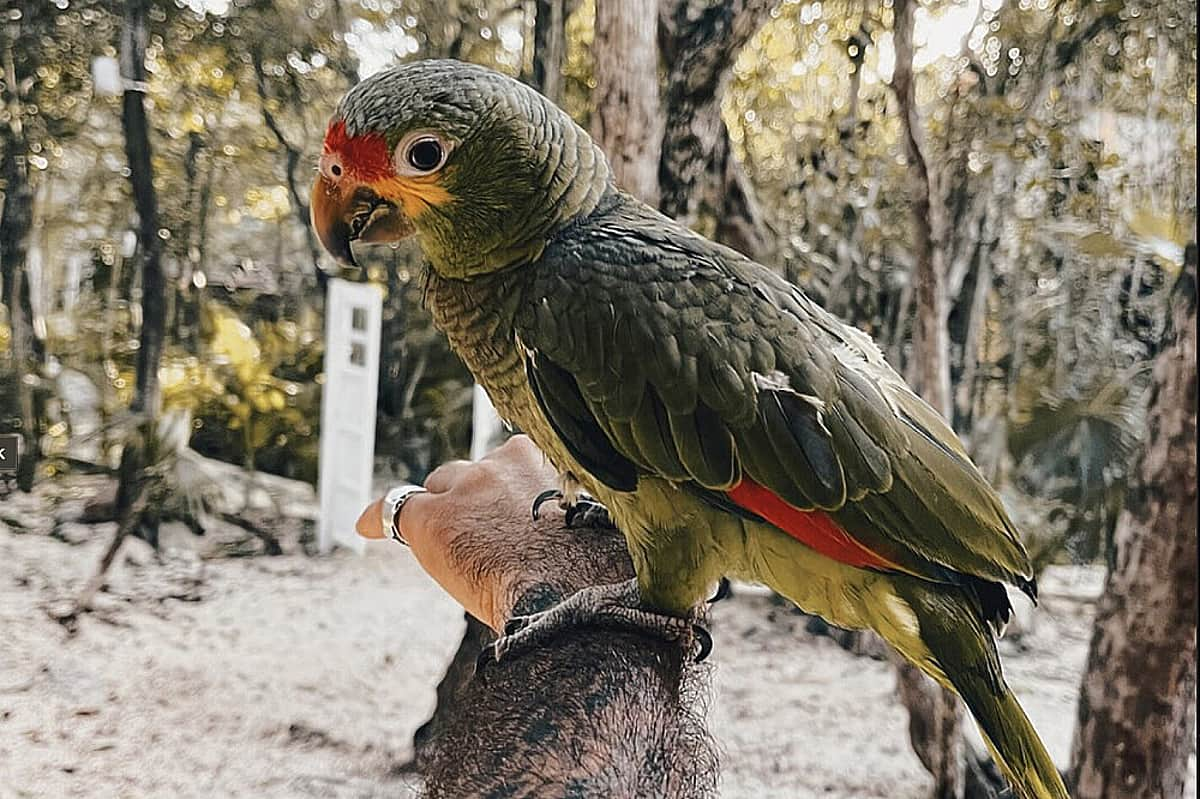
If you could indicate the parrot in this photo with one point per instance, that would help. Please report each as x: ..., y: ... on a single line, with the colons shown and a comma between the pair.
x: 728, y: 423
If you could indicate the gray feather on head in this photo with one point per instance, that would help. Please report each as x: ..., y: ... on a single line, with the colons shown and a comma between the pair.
x: 458, y: 95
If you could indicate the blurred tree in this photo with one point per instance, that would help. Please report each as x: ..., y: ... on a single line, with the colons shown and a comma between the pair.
x: 1136, y: 717
x: 16, y: 228
x: 934, y: 714
x: 133, y: 512
x: 294, y: 158
x: 146, y: 398
x: 929, y: 339
x: 550, y: 46
x: 625, y: 121
x: 701, y: 182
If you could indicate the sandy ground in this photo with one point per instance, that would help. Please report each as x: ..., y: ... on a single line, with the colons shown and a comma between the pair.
x: 306, y: 677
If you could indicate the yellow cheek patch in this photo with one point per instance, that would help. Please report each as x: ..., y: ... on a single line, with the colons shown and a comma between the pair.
x: 415, y: 194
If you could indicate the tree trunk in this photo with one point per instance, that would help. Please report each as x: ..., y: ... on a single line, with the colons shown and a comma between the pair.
x: 16, y: 221
x: 549, y: 47
x: 934, y: 716
x: 183, y: 310
x: 626, y: 123
x: 699, y: 178
x: 138, y: 485
x: 146, y: 398
x: 1136, y: 718
x: 739, y: 221
x: 929, y: 339
x: 145, y: 201
x: 28, y: 368
x: 16, y: 226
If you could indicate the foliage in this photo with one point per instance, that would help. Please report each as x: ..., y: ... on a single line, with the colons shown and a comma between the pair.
x: 254, y: 395
x: 1060, y: 131
x: 1065, y: 155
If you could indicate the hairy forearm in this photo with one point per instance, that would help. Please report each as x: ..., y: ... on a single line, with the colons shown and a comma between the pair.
x: 589, y: 712
x: 594, y: 713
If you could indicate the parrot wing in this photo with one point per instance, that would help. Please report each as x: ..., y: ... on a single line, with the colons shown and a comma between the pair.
x: 654, y: 351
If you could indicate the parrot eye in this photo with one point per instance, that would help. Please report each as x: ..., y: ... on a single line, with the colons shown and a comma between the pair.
x: 425, y: 154
x: 421, y: 154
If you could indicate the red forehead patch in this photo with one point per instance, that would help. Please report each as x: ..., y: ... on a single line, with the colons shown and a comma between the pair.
x: 366, y: 156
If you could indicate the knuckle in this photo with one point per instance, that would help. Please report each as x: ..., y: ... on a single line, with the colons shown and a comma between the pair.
x: 444, y: 474
x: 480, y: 474
x: 520, y: 449
x: 523, y: 444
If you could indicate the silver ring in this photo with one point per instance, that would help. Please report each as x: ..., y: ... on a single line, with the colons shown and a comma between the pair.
x: 393, y: 503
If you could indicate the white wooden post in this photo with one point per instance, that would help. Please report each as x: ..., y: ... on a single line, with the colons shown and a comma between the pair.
x: 487, y: 431
x: 352, y: 330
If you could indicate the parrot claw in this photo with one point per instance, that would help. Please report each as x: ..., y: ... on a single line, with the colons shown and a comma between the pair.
x: 544, y: 497
x: 585, y: 511
x: 724, y: 591
x: 616, y: 606
x: 515, y: 625
x: 704, y: 642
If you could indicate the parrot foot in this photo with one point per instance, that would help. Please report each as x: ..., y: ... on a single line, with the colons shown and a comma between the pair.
x: 616, y: 606
x: 588, y: 512
x: 585, y: 511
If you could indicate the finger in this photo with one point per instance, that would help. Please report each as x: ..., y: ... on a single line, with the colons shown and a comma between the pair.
x: 415, y: 521
x: 423, y: 525
x: 444, y: 477
x: 370, y: 523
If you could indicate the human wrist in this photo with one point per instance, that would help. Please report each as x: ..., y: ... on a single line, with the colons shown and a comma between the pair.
x: 534, y: 594
x: 534, y: 598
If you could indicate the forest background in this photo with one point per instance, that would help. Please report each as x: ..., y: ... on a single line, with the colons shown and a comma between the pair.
x: 1001, y: 192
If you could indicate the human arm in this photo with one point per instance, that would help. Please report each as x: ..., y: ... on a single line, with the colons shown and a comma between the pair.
x: 594, y: 712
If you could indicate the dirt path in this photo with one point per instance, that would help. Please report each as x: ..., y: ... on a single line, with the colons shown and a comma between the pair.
x: 305, y: 677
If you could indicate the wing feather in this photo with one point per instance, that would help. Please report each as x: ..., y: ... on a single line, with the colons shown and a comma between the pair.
x: 705, y: 368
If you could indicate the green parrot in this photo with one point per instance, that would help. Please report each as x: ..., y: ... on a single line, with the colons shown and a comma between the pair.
x: 730, y: 425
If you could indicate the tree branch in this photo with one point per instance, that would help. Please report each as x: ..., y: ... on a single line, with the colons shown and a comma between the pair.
x: 294, y: 157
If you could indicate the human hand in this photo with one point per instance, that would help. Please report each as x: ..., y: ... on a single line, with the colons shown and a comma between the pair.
x: 474, y: 533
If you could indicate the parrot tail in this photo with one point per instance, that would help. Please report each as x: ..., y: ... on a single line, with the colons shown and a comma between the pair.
x: 961, y: 655
x: 1015, y: 746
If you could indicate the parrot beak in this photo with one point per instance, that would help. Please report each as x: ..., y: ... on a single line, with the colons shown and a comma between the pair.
x: 342, y: 215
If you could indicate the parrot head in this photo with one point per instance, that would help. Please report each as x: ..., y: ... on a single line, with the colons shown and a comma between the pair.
x: 481, y: 168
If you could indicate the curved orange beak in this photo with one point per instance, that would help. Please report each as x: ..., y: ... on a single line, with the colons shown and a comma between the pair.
x: 343, y: 214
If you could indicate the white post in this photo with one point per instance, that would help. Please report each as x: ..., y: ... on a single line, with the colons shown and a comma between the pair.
x: 353, y: 312
x: 487, y: 431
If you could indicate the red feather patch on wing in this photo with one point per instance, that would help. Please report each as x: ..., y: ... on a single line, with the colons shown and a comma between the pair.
x: 815, y: 529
